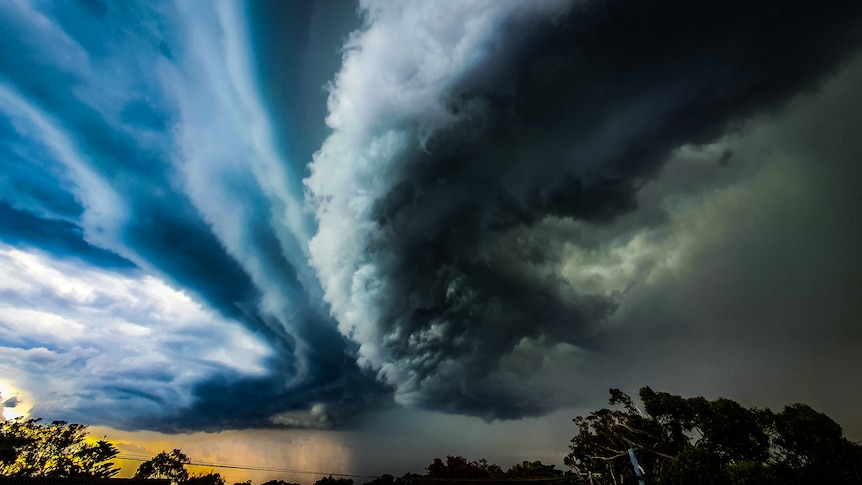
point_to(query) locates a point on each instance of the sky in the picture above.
(352, 237)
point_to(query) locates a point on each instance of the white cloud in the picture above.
(15, 402)
(34, 324)
(389, 96)
(69, 332)
(231, 169)
(315, 418)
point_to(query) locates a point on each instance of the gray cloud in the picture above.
(430, 189)
(736, 279)
(758, 295)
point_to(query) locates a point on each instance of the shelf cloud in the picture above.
(217, 216)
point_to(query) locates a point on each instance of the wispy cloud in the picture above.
(148, 131)
(80, 338)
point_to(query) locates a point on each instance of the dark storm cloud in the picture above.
(568, 117)
(29, 178)
(767, 312)
(20, 227)
(485, 161)
(338, 389)
(298, 46)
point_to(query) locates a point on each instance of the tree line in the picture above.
(681, 440)
(676, 440)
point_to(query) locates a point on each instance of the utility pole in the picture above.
(638, 469)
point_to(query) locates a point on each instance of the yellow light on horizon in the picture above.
(263, 451)
(20, 410)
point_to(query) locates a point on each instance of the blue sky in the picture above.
(335, 216)
(137, 146)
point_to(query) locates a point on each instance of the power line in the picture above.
(233, 466)
(251, 467)
(550, 480)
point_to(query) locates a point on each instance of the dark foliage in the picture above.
(205, 479)
(458, 467)
(166, 465)
(56, 450)
(334, 481)
(532, 469)
(693, 440)
(273, 482)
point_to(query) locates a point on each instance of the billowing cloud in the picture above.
(499, 203)
(461, 133)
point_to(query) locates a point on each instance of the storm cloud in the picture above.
(459, 131)
(217, 216)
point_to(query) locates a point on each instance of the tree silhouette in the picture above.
(9, 446)
(811, 448)
(457, 467)
(385, 479)
(59, 449)
(693, 440)
(166, 465)
(277, 482)
(205, 479)
(532, 469)
(334, 481)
